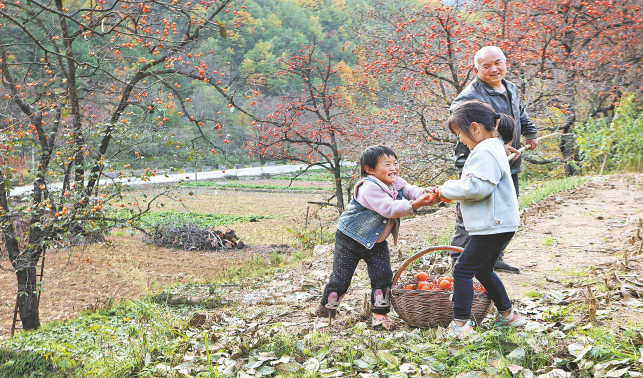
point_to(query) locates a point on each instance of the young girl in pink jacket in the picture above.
(379, 200)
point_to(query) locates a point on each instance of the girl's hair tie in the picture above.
(497, 116)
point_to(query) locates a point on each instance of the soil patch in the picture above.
(84, 278)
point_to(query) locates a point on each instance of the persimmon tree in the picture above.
(415, 61)
(82, 84)
(312, 125)
(573, 59)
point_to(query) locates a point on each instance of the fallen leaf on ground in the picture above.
(388, 358)
(514, 369)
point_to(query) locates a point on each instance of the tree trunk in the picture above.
(24, 263)
(568, 148)
(28, 298)
(26, 272)
(337, 172)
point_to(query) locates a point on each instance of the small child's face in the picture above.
(386, 170)
(465, 139)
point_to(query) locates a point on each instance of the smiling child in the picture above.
(379, 200)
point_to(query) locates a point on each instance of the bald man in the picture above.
(490, 86)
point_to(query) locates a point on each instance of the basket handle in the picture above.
(423, 252)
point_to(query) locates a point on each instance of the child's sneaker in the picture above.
(323, 312)
(455, 331)
(330, 309)
(513, 319)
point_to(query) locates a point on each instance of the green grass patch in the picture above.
(242, 185)
(114, 344)
(536, 191)
(258, 268)
(317, 175)
(308, 238)
(27, 364)
(534, 294)
(441, 237)
(560, 314)
(132, 339)
(575, 273)
(548, 242)
(489, 356)
(153, 218)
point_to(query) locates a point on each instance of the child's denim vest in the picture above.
(362, 224)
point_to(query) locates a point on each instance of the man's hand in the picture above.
(510, 150)
(532, 142)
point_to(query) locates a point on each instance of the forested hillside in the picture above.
(256, 36)
(360, 35)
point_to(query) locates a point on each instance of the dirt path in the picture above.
(562, 238)
(564, 235)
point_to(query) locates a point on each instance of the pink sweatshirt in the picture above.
(380, 198)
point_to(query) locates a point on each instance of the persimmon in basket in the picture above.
(445, 284)
(439, 283)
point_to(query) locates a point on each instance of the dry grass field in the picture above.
(288, 207)
(84, 278)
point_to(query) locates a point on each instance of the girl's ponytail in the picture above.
(506, 126)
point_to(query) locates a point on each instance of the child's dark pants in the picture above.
(477, 259)
(348, 253)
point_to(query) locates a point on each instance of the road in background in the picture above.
(177, 177)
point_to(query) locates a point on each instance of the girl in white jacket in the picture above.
(489, 209)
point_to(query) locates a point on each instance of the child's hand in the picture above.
(438, 195)
(430, 190)
(426, 199)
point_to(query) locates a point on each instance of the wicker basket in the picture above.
(429, 309)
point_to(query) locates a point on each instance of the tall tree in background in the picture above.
(573, 60)
(81, 84)
(416, 61)
(312, 126)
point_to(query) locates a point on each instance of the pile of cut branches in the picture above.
(192, 237)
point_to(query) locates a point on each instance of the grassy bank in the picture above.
(534, 191)
(155, 337)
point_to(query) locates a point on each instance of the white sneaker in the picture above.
(513, 319)
(455, 331)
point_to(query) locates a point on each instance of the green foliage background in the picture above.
(257, 36)
(615, 144)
